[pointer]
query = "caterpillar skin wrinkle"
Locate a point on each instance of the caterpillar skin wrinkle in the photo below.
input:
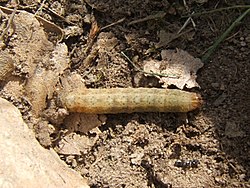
(128, 100)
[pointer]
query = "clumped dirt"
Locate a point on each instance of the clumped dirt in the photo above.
(206, 148)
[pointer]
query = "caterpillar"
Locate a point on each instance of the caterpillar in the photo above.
(129, 100)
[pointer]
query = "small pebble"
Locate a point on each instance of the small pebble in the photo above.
(242, 43)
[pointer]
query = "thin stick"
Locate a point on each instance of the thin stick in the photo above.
(158, 15)
(112, 24)
(216, 10)
(212, 48)
(150, 73)
(40, 8)
(185, 24)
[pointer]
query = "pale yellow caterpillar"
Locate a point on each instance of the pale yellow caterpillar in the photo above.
(128, 100)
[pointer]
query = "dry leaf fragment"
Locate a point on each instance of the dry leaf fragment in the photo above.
(81, 122)
(94, 30)
(74, 144)
(179, 64)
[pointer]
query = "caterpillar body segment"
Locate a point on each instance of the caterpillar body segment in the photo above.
(128, 100)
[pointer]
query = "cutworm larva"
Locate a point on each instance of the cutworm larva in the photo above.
(128, 100)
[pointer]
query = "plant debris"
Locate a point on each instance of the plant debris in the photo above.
(179, 64)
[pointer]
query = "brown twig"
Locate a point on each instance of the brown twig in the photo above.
(158, 15)
(112, 24)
